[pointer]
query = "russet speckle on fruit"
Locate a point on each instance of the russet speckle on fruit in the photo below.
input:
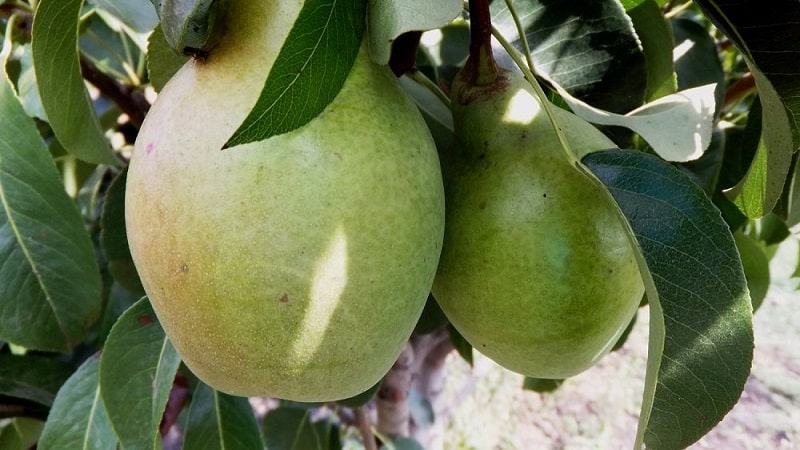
(294, 267)
(537, 271)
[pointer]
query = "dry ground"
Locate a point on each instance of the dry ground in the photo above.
(484, 408)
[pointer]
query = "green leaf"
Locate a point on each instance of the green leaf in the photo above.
(701, 332)
(541, 384)
(388, 20)
(593, 52)
(218, 421)
(189, 25)
(361, 399)
(162, 60)
(432, 318)
(78, 419)
(402, 443)
(769, 40)
(49, 279)
(289, 428)
(139, 15)
(654, 33)
(114, 237)
(696, 58)
(20, 433)
(31, 377)
(309, 71)
(137, 369)
(61, 86)
(461, 345)
(756, 267)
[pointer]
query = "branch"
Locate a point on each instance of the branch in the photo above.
(129, 100)
(392, 399)
(365, 427)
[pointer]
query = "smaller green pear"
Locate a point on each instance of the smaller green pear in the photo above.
(537, 271)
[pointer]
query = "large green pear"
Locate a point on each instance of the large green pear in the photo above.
(536, 271)
(295, 267)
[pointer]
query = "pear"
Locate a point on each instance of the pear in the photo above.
(537, 271)
(295, 267)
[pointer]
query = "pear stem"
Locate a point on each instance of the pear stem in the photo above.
(481, 64)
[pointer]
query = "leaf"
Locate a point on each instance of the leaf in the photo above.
(402, 443)
(701, 333)
(591, 49)
(20, 433)
(139, 16)
(654, 33)
(361, 399)
(310, 69)
(388, 20)
(162, 61)
(31, 377)
(756, 267)
(78, 419)
(697, 61)
(769, 40)
(189, 25)
(61, 87)
(461, 345)
(137, 369)
(220, 421)
(289, 428)
(678, 126)
(114, 237)
(541, 384)
(49, 279)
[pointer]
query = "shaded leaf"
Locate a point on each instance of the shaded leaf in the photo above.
(657, 43)
(402, 443)
(32, 377)
(218, 421)
(584, 47)
(756, 267)
(78, 419)
(461, 345)
(20, 433)
(137, 369)
(288, 428)
(309, 71)
(541, 384)
(701, 335)
(63, 94)
(696, 58)
(114, 237)
(387, 20)
(769, 40)
(162, 60)
(49, 279)
(360, 399)
(139, 16)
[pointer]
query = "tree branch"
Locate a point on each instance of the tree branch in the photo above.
(131, 101)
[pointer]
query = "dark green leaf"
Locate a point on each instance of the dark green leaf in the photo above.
(32, 377)
(162, 60)
(756, 267)
(218, 421)
(432, 318)
(654, 33)
(769, 40)
(309, 71)
(78, 419)
(114, 238)
(589, 48)
(49, 280)
(61, 87)
(701, 335)
(137, 369)
(461, 345)
(288, 428)
(540, 384)
(20, 433)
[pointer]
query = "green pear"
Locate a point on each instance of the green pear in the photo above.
(537, 271)
(294, 267)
